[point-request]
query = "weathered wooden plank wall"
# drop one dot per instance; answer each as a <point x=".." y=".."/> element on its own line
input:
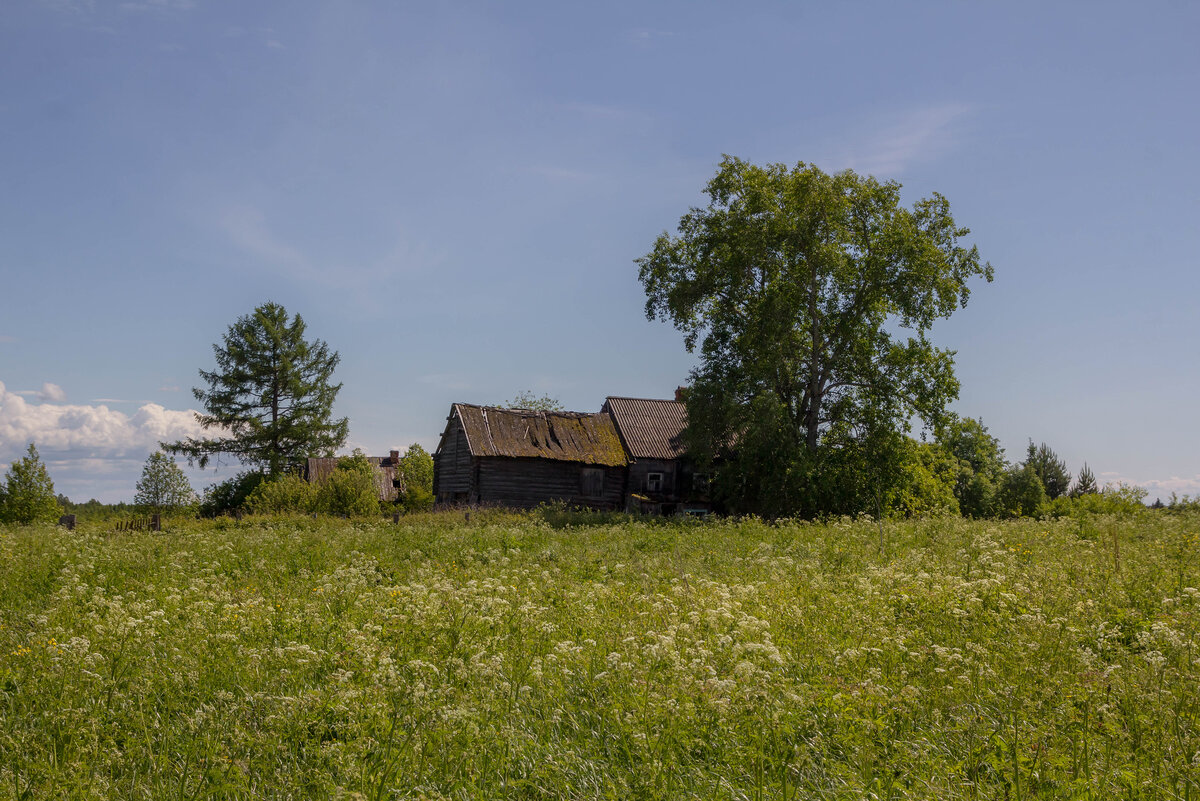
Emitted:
<point x="529" y="482"/>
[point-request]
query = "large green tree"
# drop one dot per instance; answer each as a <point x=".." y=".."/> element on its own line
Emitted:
<point x="980" y="465"/>
<point x="28" y="493"/>
<point x="163" y="486"/>
<point x="810" y="297"/>
<point x="270" y="396"/>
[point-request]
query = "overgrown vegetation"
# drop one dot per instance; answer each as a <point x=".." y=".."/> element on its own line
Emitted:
<point x="600" y="657"/>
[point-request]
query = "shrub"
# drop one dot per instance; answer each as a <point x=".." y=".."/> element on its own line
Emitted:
<point x="282" y="495"/>
<point x="1022" y="493"/>
<point x="230" y="495"/>
<point x="350" y="489"/>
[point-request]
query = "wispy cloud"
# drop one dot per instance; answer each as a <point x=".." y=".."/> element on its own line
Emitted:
<point x="143" y="6"/>
<point x="248" y="229"/>
<point x="645" y="37"/>
<point x="69" y="6"/>
<point x="5" y="339"/>
<point x="170" y="388"/>
<point x="899" y="141"/>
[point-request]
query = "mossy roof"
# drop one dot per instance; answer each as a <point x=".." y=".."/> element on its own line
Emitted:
<point x="523" y="433"/>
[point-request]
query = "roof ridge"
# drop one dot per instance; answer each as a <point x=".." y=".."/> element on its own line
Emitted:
<point x="629" y="397"/>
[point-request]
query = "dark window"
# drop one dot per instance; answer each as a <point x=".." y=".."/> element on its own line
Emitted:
<point x="654" y="482"/>
<point x="700" y="482"/>
<point x="592" y="479"/>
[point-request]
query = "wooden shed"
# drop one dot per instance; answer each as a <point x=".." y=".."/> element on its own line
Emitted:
<point x="521" y="458"/>
<point x="389" y="479"/>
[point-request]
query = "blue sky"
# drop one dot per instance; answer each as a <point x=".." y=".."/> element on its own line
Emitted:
<point x="452" y="195"/>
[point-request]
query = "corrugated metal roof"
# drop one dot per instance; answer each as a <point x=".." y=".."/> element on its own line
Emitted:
<point x="522" y="433"/>
<point x="651" y="429"/>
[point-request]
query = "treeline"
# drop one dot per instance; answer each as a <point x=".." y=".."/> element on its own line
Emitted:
<point x="27" y="494"/>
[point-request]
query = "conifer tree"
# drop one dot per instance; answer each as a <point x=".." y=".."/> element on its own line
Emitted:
<point x="1056" y="479"/>
<point x="1085" y="484"/>
<point x="270" y="396"/>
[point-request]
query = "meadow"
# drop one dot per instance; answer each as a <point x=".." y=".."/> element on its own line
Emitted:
<point x="555" y="655"/>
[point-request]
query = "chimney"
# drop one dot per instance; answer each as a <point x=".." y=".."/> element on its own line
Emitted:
<point x="679" y="394"/>
<point x="395" y="457"/>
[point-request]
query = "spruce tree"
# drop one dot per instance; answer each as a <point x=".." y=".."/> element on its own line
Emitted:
<point x="270" y="396"/>
<point x="1085" y="484"/>
<point x="28" y="495"/>
<point x="1056" y="479"/>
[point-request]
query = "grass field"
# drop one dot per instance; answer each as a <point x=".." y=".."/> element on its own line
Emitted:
<point x="523" y="657"/>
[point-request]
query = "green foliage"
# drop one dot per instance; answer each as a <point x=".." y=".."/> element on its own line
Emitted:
<point x="163" y="486"/>
<point x="229" y="496"/>
<point x="417" y="467"/>
<point x="538" y="403"/>
<point x="980" y="465"/>
<point x="1022" y="493"/>
<point x="350" y="489"/>
<point x="512" y="657"/>
<point x="1085" y="483"/>
<point x="793" y="283"/>
<point x="1052" y="471"/>
<point x="286" y="494"/>
<point x="28" y="493"/>
<point x="270" y="396"/>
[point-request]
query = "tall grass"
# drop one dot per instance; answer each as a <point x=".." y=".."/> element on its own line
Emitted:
<point x="504" y="657"/>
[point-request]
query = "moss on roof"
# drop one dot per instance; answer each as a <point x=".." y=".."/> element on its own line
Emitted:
<point x="523" y="433"/>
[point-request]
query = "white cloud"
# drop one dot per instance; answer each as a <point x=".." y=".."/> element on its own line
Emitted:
<point x="1155" y="487"/>
<point x="48" y="392"/>
<point x="72" y="432"/>
<point x="52" y="392"/>
<point x="918" y="135"/>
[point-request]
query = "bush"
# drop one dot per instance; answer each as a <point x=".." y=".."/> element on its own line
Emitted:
<point x="417" y="467"/>
<point x="350" y="489"/>
<point x="229" y="496"/>
<point x="282" y="495"/>
<point x="1022" y="493"/>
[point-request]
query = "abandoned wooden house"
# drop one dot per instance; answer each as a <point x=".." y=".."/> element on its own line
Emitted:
<point x="521" y="458"/>
<point x="389" y="479"/>
<point x="660" y="478"/>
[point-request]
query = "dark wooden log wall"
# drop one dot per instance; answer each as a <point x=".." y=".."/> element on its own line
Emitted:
<point x="528" y="482"/>
<point x="452" y="465"/>
<point x="639" y="469"/>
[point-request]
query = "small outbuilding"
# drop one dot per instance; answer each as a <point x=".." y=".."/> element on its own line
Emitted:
<point x="522" y="458"/>
<point x="389" y="479"/>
